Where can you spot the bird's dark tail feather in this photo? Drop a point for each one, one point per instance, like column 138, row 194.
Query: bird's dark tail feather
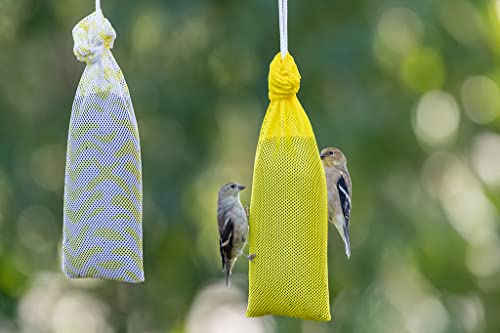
column 227, row 271
column 228, row 279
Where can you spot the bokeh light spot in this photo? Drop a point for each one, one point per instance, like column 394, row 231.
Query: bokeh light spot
column 481, row 99
column 484, row 260
column 468, row 209
column 437, row 118
column 486, row 157
column 400, row 29
column 423, row 70
column 453, row 14
column 218, row 309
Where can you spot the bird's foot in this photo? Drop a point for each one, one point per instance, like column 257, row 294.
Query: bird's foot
column 247, row 211
column 251, row 257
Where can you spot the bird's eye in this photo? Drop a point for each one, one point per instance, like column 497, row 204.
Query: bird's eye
column 233, row 186
column 331, row 152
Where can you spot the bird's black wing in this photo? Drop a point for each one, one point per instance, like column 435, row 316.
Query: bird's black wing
column 226, row 241
column 345, row 198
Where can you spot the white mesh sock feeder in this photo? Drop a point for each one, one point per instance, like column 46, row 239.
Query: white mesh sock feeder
column 102, row 236
column 288, row 212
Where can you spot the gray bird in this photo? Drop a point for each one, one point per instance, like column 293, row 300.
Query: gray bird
column 338, row 182
column 233, row 227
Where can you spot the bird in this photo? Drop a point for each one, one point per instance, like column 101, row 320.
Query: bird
column 233, row 227
column 339, row 186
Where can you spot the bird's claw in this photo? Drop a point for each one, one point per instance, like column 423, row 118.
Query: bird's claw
column 247, row 211
column 251, row 257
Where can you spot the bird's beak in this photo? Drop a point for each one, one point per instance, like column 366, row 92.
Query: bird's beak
column 322, row 156
column 345, row 236
column 241, row 187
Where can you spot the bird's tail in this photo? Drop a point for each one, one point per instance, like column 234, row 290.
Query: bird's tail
column 228, row 278
column 227, row 271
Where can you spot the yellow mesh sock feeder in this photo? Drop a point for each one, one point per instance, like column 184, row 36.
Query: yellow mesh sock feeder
column 288, row 212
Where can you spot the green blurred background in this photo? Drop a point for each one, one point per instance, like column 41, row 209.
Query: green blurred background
column 408, row 89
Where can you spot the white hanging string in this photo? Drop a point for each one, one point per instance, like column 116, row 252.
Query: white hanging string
column 100, row 22
column 99, row 11
column 283, row 18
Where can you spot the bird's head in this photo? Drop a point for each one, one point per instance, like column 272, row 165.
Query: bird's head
column 231, row 190
column 333, row 157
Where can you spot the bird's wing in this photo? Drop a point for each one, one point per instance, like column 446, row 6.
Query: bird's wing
column 345, row 197
column 226, row 241
column 332, row 176
column 221, row 220
column 347, row 177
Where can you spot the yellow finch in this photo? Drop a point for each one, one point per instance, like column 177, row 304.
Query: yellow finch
column 338, row 182
column 233, row 227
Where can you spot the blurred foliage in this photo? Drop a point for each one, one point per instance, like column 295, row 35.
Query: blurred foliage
column 408, row 89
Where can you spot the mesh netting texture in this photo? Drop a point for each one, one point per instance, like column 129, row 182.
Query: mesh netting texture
column 102, row 236
column 288, row 212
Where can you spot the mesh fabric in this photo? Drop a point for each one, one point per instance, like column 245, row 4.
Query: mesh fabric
column 102, row 236
column 288, row 212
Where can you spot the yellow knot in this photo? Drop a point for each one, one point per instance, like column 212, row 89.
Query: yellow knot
column 284, row 78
